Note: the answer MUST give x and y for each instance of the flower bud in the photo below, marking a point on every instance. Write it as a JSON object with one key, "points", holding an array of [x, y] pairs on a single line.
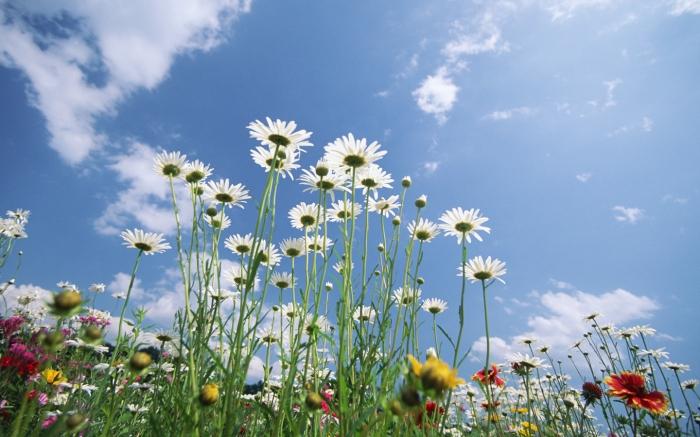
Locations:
{"points": [[421, 201], [139, 362], [209, 394], [406, 182], [313, 400]]}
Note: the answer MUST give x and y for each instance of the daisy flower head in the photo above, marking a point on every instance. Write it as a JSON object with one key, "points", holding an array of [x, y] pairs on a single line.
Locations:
{"points": [[423, 230], [347, 152], [147, 242], [286, 161], [169, 164], [281, 280], [421, 201], [218, 221], [689, 384], [317, 323], [305, 215], [463, 224], [384, 205], [225, 193], [406, 181], [97, 287], [290, 311], [364, 313], [267, 335], [280, 134], [434, 306], [196, 171], [318, 244], [343, 210], [239, 244], [676, 367], [293, 247], [478, 269], [268, 253], [525, 362], [237, 275], [372, 178], [406, 295], [329, 178]]}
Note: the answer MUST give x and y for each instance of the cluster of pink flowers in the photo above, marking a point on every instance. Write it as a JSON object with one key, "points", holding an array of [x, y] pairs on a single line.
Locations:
{"points": [[22, 358], [11, 325]]}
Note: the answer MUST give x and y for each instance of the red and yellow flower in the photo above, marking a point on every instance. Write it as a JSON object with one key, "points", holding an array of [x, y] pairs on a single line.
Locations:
{"points": [[491, 378], [630, 387]]}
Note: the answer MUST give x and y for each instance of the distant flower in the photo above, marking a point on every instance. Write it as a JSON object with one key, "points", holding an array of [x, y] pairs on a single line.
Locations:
{"points": [[434, 306], [384, 205], [591, 393], [659, 353], [21, 216], [316, 323], [290, 310], [523, 362], [406, 296], [240, 244], [343, 210], [423, 230], [491, 378], [169, 164], [293, 247], [267, 335], [219, 221], [53, 377], [226, 193], [281, 280], [237, 275], [676, 367], [305, 215], [689, 384], [372, 178], [148, 242], [476, 269], [279, 133], [329, 180], [286, 160], [421, 201], [348, 152], [364, 313], [268, 253], [630, 387], [461, 223], [318, 243], [97, 288], [196, 171]]}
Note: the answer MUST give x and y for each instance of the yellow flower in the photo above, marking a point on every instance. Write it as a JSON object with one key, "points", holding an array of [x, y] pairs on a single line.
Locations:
{"points": [[53, 377], [521, 410], [435, 374], [209, 394], [527, 429]]}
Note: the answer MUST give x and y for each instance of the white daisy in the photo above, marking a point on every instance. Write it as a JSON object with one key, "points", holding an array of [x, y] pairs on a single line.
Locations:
{"points": [[424, 230], [340, 266], [305, 215], [461, 223], [239, 244], [281, 280], [226, 193], [268, 253], [279, 133], [169, 164], [676, 367], [476, 269], [343, 210], [293, 247], [267, 335], [285, 163], [21, 216], [218, 221], [290, 311], [406, 296], [348, 152], [97, 288], [196, 171], [148, 242], [527, 361], [384, 205], [320, 323], [318, 244], [660, 353], [434, 306], [364, 313], [690, 384], [330, 179], [237, 275], [372, 178]]}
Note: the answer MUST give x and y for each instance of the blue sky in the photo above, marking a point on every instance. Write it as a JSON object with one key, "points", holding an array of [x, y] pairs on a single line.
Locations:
{"points": [[572, 124]]}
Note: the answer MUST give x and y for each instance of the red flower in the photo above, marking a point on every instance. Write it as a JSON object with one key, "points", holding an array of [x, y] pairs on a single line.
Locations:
{"points": [[492, 377], [21, 358], [629, 387], [431, 409]]}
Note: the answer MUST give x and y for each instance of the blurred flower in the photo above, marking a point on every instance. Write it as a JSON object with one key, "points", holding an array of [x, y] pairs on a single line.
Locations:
{"points": [[364, 313], [491, 378], [423, 230]]}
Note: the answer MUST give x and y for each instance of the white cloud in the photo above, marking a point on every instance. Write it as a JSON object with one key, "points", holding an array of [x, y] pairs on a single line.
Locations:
{"points": [[584, 177], [561, 321], [610, 86], [430, 167], [564, 9], [507, 114], [680, 7], [437, 94], [145, 197], [486, 38], [129, 46], [40, 295], [675, 199], [628, 215], [120, 284], [647, 124]]}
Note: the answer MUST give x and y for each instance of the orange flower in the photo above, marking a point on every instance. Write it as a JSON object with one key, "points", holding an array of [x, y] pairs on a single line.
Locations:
{"points": [[492, 377], [630, 387]]}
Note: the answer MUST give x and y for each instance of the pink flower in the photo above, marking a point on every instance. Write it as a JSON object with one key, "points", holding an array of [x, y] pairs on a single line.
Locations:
{"points": [[49, 421]]}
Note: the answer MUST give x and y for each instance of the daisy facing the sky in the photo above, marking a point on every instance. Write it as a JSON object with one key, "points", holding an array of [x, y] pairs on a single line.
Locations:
{"points": [[478, 269], [463, 224], [350, 153], [226, 193], [147, 242], [279, 133]]}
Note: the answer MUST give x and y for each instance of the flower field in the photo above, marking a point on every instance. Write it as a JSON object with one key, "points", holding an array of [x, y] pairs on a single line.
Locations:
{"points": [[350, 343]]}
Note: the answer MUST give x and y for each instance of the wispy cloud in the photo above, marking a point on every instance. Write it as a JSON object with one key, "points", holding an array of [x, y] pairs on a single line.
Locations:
{"points": [[645, 125], [130, 47], [430, 167], [584, 177], [507, 114], [558, 319], [671, 198], [680, 7], [628, 215], [610, 86]]}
